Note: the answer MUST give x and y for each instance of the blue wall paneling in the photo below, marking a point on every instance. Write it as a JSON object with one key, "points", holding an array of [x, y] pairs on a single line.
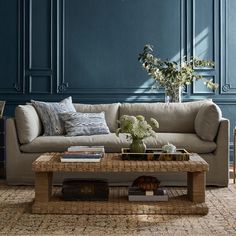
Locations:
{"points": [[89, 48]]}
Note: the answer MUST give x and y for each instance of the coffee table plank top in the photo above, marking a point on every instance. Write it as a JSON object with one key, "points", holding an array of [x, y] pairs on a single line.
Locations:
{"points": [[111, 162]]}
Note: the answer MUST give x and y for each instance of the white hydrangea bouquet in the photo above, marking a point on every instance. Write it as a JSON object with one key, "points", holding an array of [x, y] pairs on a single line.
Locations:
{"points": [[137, 129]]}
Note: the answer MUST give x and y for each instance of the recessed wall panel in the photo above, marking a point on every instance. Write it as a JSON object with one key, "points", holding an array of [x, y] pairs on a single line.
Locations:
{"points": [[231, 44], [40, 84], [40, 34], [200, 88], [101, 41], [203, 29], [10, 46]]}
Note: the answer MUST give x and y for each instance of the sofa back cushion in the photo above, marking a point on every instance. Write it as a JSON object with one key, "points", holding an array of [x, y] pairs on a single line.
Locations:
{"points": [[172, 117], [111, 112], [28, 123], [207, 121]]}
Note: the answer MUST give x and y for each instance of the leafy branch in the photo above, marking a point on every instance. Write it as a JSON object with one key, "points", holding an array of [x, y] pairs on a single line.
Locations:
{"points": [[170, 74]]}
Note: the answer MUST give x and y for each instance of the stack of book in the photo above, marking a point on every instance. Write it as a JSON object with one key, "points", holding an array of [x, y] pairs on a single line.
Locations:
{"points": [[137, 194], [83, 154]]}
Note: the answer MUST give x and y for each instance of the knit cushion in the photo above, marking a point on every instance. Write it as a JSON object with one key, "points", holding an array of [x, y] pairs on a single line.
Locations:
{"points": [[48, 112], [84, 123], [111, 112]]}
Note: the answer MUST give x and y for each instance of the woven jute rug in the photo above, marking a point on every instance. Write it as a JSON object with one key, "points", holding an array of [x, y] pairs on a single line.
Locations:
{"points": [[16, 218]]}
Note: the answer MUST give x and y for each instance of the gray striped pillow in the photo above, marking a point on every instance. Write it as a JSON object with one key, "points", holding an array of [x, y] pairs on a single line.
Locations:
{"points": [[78, 124], [49, 115]]}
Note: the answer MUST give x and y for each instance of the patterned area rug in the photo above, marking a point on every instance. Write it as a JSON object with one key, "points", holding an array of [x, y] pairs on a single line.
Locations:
{"points": [[16, 218]]}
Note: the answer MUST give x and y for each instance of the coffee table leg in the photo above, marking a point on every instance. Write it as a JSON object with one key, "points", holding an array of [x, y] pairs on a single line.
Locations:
{"points": [[196, 186], [43, 186]]}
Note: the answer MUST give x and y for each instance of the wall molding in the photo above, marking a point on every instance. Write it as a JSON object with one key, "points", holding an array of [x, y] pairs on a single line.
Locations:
{"points": [[226, 85], [197, 92], [194, 34], [31, 81], [30, 32], [17, 86], [64, 86]]}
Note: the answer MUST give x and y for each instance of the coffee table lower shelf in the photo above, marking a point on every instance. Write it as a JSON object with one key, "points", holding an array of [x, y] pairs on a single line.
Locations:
{"points": [[118, 204]]}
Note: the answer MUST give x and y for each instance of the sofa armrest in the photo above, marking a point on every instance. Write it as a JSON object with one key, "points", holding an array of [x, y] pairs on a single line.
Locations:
{"points": [[12, 141], [18, 164], [222, 138], [221, 154]]}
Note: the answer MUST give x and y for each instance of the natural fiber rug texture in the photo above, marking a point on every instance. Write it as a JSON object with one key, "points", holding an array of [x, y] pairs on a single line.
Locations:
{"points": [[16, 218]]}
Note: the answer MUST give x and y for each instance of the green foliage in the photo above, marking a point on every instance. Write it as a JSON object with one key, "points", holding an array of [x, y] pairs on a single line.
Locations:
{"points": [[170, 74]]}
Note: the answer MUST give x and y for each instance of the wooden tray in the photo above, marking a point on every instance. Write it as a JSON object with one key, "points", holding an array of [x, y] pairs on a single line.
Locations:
{"points": [[155, 155]]}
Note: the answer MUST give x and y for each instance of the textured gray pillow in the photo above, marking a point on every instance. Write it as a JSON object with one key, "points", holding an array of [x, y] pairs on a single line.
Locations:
{"points": [[111, 112], [49, 114], [207, 121], [78, 124]]}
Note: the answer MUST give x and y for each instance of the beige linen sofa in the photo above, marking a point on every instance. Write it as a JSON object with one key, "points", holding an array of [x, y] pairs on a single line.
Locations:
{"points": [[196, 126]]}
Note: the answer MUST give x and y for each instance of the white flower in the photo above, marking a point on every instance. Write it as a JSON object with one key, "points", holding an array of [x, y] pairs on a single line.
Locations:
{"points": [[136, 127]]}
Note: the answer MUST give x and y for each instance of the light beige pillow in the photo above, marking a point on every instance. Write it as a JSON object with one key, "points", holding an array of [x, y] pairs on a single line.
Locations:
{"points": [[111, 112], [28, 123], [207, 121]]}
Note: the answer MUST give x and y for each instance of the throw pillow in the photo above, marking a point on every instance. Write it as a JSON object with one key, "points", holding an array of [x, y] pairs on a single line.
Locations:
{"points": [[28, 123], [84, 123], [49, 114], [111, 112], [207, 121]]}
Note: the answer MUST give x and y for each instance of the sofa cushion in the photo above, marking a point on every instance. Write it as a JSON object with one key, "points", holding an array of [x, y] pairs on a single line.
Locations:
{"points": [[189, 141], [111, 112], [60, 143], [112, 143], [28, 123], [207, 121], [48, 113], [172, 117], [77, 123]]}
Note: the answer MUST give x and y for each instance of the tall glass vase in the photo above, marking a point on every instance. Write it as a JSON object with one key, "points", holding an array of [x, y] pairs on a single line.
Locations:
{"points": [[173, 94]]}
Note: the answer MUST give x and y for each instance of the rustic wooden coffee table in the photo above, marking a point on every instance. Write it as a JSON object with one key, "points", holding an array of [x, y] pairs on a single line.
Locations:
{"points": [[181, 201]]}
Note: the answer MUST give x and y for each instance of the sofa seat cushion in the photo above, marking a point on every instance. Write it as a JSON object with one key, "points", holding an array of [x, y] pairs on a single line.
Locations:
{"points": [[60, 143], [189, 141], [112, 143]]}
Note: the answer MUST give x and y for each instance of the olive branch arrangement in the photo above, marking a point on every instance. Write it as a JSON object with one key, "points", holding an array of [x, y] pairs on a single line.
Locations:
{"points": [[171, 75]]}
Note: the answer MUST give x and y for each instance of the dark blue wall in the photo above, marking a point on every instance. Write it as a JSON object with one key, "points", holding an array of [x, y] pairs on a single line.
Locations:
{"points": [[89, 48]]}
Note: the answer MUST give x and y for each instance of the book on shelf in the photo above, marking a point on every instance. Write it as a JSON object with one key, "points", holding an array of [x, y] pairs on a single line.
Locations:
{"points": [[137, 194], [86, 149]]}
